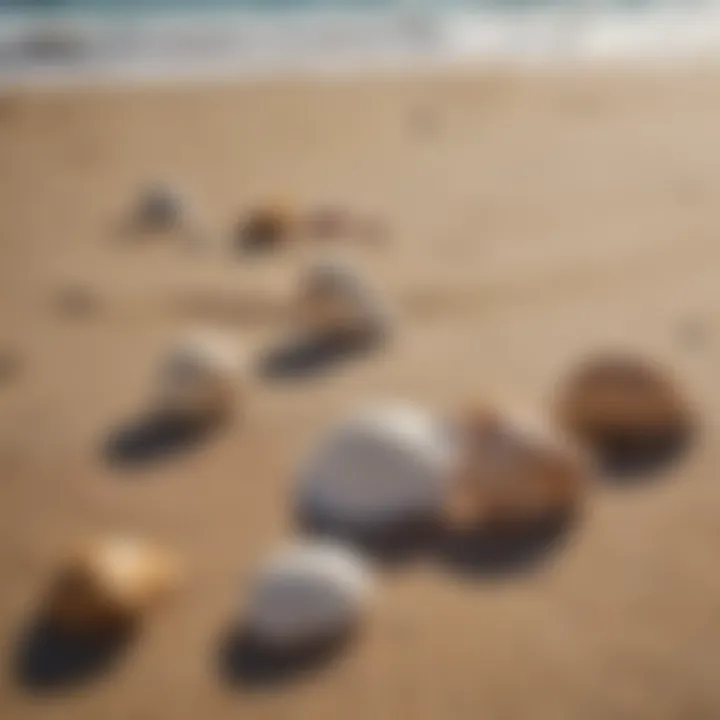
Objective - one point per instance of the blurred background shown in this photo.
(156, 37)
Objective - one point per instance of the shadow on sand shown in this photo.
(494, 551)
(626, 460)
(311, 356)
(154, 437)
(47, 659)
(244, 664)
(389, 548)
(504, 550)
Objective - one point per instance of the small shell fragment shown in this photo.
(160, 207)
(266, 228)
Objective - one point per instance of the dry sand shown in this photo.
(533, 219)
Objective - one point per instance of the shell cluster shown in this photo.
(266, 227)
(384, 468)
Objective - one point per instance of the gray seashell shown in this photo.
(307, 593)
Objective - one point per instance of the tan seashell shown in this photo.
(334, 298)
(109, 584)
(200, 378)
(621, 396)
(513, 468)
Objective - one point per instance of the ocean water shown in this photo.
(78, 40)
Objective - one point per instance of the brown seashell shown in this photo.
(266, 227)
(620, 397)
(513, 469)
(110, 583)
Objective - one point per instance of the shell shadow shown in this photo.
(504, 550)
(309, 356)
(397, 545)
(47, 659)
(624, 460)
(153, 437)
(245, 664)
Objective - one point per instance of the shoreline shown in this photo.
(71, 50)
(379, 73)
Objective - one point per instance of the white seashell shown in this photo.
(309, 592)
(384, 467)
(200, 377)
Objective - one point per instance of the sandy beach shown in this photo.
(533, 217)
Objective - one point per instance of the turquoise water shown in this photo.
(76, 39)
(279, 5)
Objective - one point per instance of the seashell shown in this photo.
(267, 227)
(513, 468)
(384, 468)
(335, 299)
(160, 207)
(110, 583)
(200, 378)
(622, 398)
(306, 594)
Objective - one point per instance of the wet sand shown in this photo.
(532, 219)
